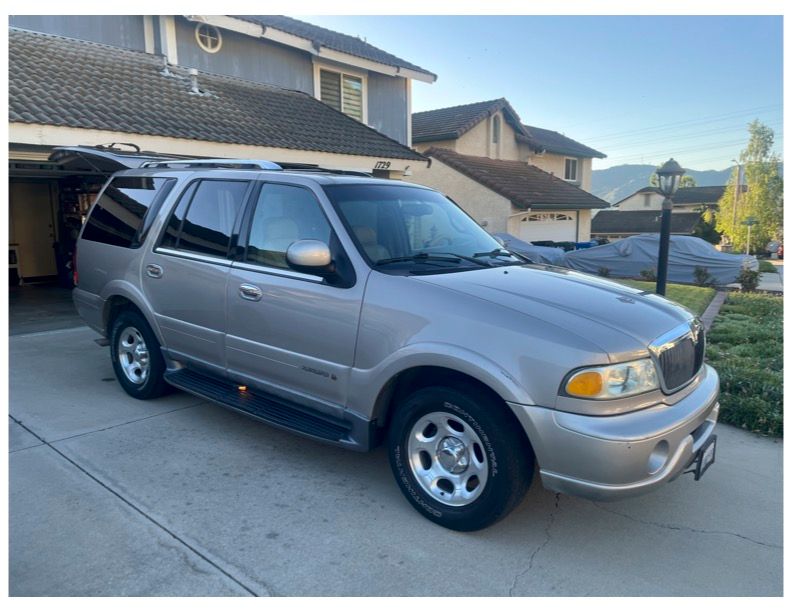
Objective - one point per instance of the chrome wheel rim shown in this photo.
(133, 355)
(447, 458)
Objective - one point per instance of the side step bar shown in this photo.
(264, 407)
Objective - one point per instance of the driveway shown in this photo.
(114, 496)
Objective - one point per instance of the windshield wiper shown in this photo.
(417, 258)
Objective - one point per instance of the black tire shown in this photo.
(510, 459)
(154, 384)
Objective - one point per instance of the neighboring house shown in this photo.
(264, 87)
(617, 224)
(509, 177)
(686, 199)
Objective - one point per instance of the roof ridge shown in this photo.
(436, 110)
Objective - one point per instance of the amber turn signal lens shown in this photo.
(585, 384)
(242, 388)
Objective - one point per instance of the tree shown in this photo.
(760, 198)
(685, 181)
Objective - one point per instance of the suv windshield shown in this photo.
(398, 227)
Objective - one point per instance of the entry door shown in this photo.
(31, 227)
(291, 333)
(184, 277)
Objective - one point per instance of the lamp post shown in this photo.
(668, 176)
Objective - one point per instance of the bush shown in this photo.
(650, 274)
(748, 279)
(604, 272)
(745, 346)
(702, 277)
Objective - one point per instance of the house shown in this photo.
(616, 224)
(262, 87)
(510, 177)
(686, 199)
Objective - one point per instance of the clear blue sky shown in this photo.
(639, 88)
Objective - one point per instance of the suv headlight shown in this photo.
(613, 381)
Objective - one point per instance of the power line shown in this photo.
(676, 151)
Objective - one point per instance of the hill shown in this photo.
(617, 182)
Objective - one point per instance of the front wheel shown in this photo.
(459, 456)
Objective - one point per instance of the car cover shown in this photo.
(627, 258)
(537, 254)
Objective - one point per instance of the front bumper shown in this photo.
(609, 457)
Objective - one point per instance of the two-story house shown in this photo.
(530, 182)
(261, 87)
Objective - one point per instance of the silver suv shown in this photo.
(360, 311)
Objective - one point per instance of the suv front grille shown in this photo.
(681, 358)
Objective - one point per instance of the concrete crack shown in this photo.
(538, 549)
(237, 580)
(684, 527)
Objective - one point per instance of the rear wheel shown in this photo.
(136, 356)
(459, 456)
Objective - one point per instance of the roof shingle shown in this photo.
(451, 123)
(689, 195)
(526, 186)
(541, 139)
(332, 40)
(60, 81)
(641, 222)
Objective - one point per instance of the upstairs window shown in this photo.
(496, 129)
(208, 37)
(570, 169)
(343, 92)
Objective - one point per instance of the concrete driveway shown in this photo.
(113, 496)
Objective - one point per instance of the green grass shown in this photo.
(694, 298)
(745, 346)
(766, 266)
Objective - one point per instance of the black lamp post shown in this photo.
(668, 176)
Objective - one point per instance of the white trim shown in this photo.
(54, 135)
(290, 40)
(200, 43)
(168, 38)
(408, 86)
(148, 33)
(318, 66)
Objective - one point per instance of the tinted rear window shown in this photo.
(117, 218)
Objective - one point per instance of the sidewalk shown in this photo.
(769, 281)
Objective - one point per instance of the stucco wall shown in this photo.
(550, 162)
(475, 199)
(478, 141)
(636, 202)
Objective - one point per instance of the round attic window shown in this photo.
(208, 37)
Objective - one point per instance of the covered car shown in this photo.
(627, 258)
(538, 254)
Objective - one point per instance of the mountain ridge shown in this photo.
(617, 182)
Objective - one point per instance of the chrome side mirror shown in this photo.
(310, 257)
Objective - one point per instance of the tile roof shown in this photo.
(451, 123)
(641, 222)
(60, 81)
(526, 186)
(332, 40)
(541, 139)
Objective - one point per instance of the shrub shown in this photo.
(748, 279)
(604, 272)
(702, 277)
(650, 274)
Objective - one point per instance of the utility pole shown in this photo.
(737, 188)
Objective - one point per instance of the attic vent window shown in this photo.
(496, 129)
(208, 37)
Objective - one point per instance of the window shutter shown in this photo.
(331, 89)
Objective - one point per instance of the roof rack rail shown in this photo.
(231, 164)
(316, 168)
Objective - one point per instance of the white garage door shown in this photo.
(558, 227)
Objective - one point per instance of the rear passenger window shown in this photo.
(284, 214)
(207, 224)
(118, 215)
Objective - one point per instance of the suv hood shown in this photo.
(619, 319)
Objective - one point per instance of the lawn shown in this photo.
(766, 266)
(745, 346)
(694, 298)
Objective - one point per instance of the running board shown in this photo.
(263, 406)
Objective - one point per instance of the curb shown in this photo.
(713, 309)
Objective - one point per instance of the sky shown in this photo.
(639, 88)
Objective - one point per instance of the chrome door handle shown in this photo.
(250, 292)
(154, 271)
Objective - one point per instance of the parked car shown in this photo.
(629, 257)
(359, 311)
